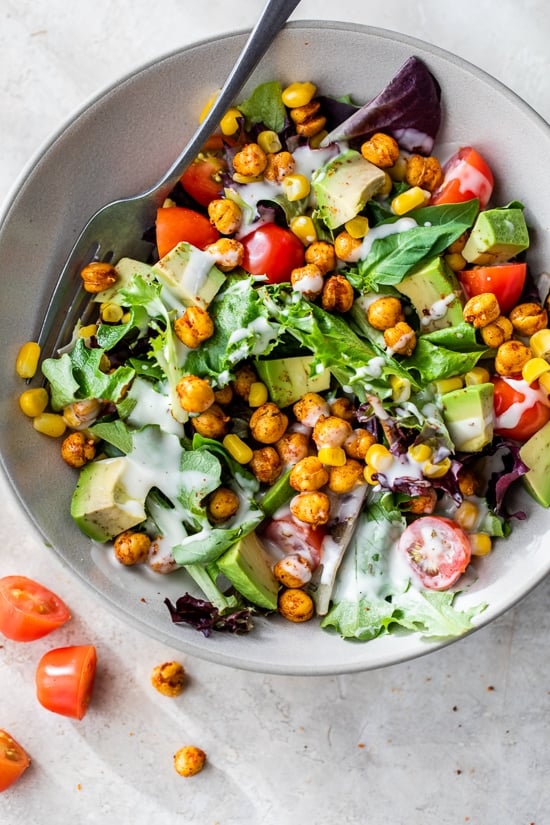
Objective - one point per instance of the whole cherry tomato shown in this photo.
(273, 251)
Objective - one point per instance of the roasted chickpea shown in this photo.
(346, 247)
(195, 394)
(168, 678)
(385, 313)
(400, 339)
(292, 447)
(343, 408)
(511, 357)
(98, 276)
(308, 474)
(77, 449)
(212, 423)
(481, 310)
(423, 171)
(278, 166)
(468, 482)
(228, 253)
(309, 408)
(223, 395)
(528, 318)
(222, 504)
(132, 547)
(268, 423)
(311, 507)
(358, 442)
(346, 478)
(337, 295)
(82, 414)
(497, 332)
(250, 161)
(244, 378)
(308, 119)
(266, 464)
(424, 503)
(381, 149)
(308, 280)
(296, 605)
(225, 215)
(189, 760)
(293, 570)
(194, 327)
(331, 431)
(321, 253)
(457, 246)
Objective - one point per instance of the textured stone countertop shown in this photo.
(459, 736)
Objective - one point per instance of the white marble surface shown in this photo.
(459, 736)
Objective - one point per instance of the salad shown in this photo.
(315, 397)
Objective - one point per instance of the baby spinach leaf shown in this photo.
(265, 106)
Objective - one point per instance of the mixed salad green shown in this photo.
(312, 399)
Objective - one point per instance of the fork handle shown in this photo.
(270, 22)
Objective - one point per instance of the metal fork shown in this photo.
(117, 229)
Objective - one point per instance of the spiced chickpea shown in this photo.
(331, 431)
(223, 395)
(511, 357)
(194, 327)
(308, 474)
(268, 423)
(292, 447)
(189, 760)
(131, 547)
(497, 332)
(385, 312)
(358, 442)
(266, 464)
(346, 478)
(77, 449)
(225, 215)
(425, 172)
(222, 504)
(278, 166)
(423, 504)
(381, 149)
(228, 253)
(311, 507)
(468, 482)
(250, 161)
(309, 408)
(308, 280)
(322, 254)
(346, 247)
(481, 310)
(98, 276)
(400, 339)
(293, 570)
(168, 678)
(212, 423)
(308, 119)
(195, 394)
(343, 407)
(528, 318)
(337, 294)
(296, 605)
(244, 378)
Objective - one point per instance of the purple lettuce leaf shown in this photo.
(206, 618)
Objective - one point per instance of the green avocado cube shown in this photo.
(497, 236)
(343, 186)
(434, 291)
(535, 453)
(190, 274)
(468, 415)
(247, 567)
(288, 379)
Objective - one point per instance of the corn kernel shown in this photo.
(111, 313)
(466, 515)
(298, 94)
(420, 452)
(477, 375)
(438, 470)
(207, 106)
(357, 227)
(406, 201)
(544, 382)
(296, 187)
(229, 124)
(303, 227)
(379, 458)
(88, 331)
(368, 473)
(258, 394)
(269, 142)
(533, 369)
(480, 543)
(448, 384)
(238, 178)
(539, 343)
(33, 402)
(400, 388)
(237, 448)
(27, 359)
(316, 139)
(455, 261)
(50, 424)
(332, 456)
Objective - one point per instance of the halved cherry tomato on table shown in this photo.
(273, 251)
(202, 179)
(520, 409)
(14, 760)
(65, 679)
(292, 537)
(466, 175)
(437, 549)
(177, 223)
(28, 610)
(505, 281)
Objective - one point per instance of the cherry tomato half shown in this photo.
(28, 610)
(14, 760)
(437, 549)
(202, 179)
(520, 409)
(505, 281)
(466, 175)
(65, 679)
(273, 251)
(290, 536)
(177, 223)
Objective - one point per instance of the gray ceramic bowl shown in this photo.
(120, 144)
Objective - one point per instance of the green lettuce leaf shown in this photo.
(265, 106)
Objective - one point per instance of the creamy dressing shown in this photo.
(382, 231)
(309, 285)
(438, 310)
(469, 180)
(151, 407)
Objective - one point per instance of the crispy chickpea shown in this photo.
(189, 760)
(224, 395)
(312, 507)
(308, 474)
(278, 166)
(321, 253)
(309, 408)
(457, 246)
(385, 312)
(346, 247)
(296, 605)
(346, 478)
(98, 276)
(195, 394)
(308, 119)
(400, 339)
(528, 318)
(308, 280)
(481, 310)
(468, 482)
(227, 252)
(423, 171)
(511, 357)
(77, 449)
(268, 423)
(222, 504)
(250, 161)
(343, 408)
(81, 414)
(168, 678)
(132, 547)
(292, 447)
(358, 442)
(381, 149)
(225, 215)
(293, 570)
(497, 332)
(244, 378)
(337, 295)
(424, 503)
(212, 423)
(331, 431)
(266, 464)
(194, 327)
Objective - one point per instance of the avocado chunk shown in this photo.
(343, 186)
(101, 505)
(535, 453)
(288, 379)
(434, 291)
(247, 567)
(468, 415)
(497, 236)
(190, 274)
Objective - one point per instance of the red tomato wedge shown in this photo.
(520, 409)
(177, 223)
(466, 175)
(437, 549)
(14, 760)
(28, 610)
(291, 537)
(65, 679)
(505, 281)
(273, 251)
(202, 179)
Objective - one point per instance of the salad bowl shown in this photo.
(118, 145)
